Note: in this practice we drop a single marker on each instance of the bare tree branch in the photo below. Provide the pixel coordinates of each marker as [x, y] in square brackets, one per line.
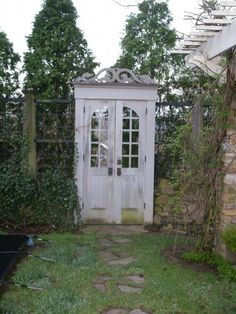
[125, 5]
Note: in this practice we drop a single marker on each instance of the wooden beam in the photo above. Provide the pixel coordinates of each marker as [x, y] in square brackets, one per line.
[216, 21]
[208, 27]
[223, 13]
[29, 129]
[228, 3]
[221, 42]
[180, 51]
[191, 43]
[199, 39]
[208, 34]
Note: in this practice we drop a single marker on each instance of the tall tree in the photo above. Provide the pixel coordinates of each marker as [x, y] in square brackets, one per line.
[148, 39]
[58, 51]
[9, 75]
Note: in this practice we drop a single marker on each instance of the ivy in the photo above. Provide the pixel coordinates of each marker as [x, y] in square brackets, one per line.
[48, 198]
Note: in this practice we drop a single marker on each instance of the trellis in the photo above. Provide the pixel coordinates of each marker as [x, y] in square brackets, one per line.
[211, 47]
[48, 126]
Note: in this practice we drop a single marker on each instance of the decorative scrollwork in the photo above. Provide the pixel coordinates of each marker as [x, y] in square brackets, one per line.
[114, 75]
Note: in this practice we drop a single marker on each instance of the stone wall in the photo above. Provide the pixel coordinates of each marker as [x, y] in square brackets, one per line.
[228, 213]
[171, 214]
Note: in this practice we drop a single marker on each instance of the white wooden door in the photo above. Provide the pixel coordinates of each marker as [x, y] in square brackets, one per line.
[114, 161]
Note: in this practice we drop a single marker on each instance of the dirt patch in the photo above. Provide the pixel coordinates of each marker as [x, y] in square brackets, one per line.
[174, 255]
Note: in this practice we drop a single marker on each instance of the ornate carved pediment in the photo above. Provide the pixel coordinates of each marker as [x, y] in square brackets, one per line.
[114, 75]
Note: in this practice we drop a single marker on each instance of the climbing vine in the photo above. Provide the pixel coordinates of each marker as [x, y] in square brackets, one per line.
[46, 198]
[199, 169]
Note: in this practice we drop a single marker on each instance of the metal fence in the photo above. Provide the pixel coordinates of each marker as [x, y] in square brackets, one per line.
[47, 126]
[169, 116]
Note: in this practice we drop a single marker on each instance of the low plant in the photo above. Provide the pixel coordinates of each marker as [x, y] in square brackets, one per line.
[229, 238]
[47, 198]
[223, 267]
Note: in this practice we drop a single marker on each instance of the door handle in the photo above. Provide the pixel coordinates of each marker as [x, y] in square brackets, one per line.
[110, 171]
[119, 171]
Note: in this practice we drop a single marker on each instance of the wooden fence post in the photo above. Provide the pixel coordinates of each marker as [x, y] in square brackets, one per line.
[29, 129]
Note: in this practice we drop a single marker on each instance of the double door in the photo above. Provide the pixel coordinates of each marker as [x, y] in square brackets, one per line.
[114, 161]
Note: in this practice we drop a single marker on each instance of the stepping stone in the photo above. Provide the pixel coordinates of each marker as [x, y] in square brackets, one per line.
[128, 289]
[122, 241]
[122, 261]
[105, 242]
[136, 279]
[107, 256]
[116, 311]
[102, 278]
[100, 287]
[138, 311]
[122, 254]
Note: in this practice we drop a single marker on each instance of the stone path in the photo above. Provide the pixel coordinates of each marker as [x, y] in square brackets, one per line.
[128, 284]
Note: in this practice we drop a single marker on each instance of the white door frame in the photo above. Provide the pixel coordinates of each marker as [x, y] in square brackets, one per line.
[117, 92]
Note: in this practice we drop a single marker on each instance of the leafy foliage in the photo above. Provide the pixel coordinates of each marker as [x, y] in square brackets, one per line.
[223, 267]
[198, 163]
[229, 237]
[46, 198]
[9, 74]
[49, 198]
[147, 42]
[58, 51]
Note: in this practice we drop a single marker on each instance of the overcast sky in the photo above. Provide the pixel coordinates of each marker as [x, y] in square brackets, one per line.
[102, 22]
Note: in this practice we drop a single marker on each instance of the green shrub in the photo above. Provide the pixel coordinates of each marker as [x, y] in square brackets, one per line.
[223, 267]
[229, 238]
[47, 198]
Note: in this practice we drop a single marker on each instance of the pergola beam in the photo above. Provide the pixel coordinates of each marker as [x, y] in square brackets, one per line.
[198, 39]
[216, 21]
[223, 13]
[208, 34]
[228, 3]
[221, 42]
[208, 27]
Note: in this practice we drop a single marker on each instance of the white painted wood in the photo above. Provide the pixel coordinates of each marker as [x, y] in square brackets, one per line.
[79, 136]
[105, 198]
[204, 34]
[130, 185]
[216, 21]
[208, 27]
[221, 42]
[223, 13]
[115, 92]
[228, 3]
[149, 165]
[191, 43]
[98, 186]
[197, 39]
[179, 51]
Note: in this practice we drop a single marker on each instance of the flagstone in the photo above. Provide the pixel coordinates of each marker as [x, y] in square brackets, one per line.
[136, 279]
[107, 255]
[100, 287]
[128, 289]
[122, 241]
[121, 261]
[103, 278]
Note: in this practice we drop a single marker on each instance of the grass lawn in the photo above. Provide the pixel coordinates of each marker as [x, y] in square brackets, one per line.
[68, 283]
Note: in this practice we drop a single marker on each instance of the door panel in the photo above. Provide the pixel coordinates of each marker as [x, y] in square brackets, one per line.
[131, 151]
[115, 161]
[99, 152]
